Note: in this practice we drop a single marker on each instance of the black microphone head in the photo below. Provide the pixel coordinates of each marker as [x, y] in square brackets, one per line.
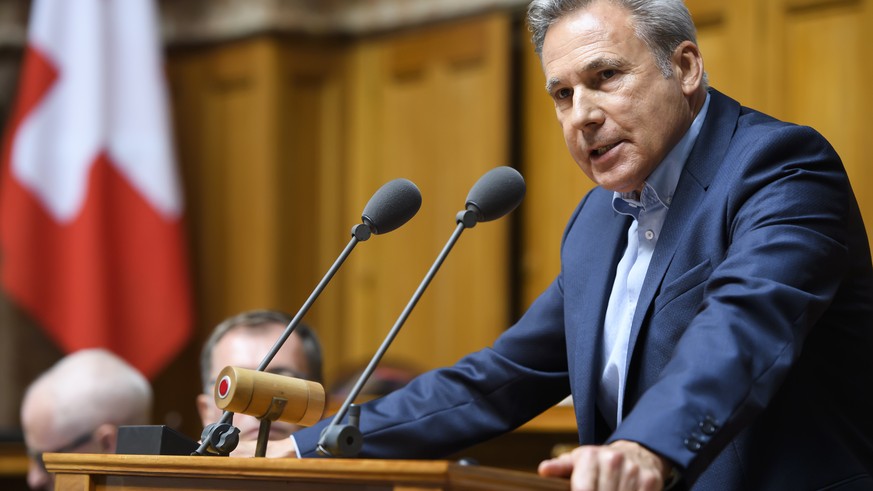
[391, 206]
[496, 193]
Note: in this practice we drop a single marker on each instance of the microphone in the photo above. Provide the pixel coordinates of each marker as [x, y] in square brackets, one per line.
[270, 396]
[392, 205]
[495, 194]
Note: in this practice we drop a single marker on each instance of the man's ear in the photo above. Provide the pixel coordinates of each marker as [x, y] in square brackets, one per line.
[106, 436]
[688, 62]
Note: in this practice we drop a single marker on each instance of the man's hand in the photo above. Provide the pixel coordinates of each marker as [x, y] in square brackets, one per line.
[621, 465]
[275, 448]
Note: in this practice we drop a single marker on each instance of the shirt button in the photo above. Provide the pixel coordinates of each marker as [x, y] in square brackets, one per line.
[650, 235]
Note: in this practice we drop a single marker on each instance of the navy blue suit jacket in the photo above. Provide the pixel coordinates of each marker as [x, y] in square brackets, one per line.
[751, 360]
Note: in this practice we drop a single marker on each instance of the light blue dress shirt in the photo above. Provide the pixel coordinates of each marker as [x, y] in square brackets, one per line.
[649, 210]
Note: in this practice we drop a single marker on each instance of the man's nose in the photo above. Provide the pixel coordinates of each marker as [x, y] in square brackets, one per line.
[587, 114]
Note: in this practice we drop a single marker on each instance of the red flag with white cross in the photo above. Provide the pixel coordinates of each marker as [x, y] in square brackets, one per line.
[91, 233]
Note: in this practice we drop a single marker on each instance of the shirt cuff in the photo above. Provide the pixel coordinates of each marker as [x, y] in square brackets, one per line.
[294, 444]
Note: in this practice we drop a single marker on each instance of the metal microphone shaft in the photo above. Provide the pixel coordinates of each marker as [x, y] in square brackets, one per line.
[360, 233]
[395, 203]
[359, 385]
[495, 194]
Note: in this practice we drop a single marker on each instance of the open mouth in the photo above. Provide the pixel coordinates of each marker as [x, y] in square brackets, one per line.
[602, 150]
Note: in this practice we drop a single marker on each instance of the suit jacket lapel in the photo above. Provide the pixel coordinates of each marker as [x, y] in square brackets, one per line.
[703, 163]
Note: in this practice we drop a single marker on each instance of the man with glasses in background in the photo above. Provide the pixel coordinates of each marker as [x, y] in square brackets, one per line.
[77, 406]
[243, 340]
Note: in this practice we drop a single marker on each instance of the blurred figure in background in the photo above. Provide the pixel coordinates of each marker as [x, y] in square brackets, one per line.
[77, 406]
[243, 341]
[385, 379]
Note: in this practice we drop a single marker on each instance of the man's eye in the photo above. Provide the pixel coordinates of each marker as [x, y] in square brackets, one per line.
[563, 94]
[607, 74]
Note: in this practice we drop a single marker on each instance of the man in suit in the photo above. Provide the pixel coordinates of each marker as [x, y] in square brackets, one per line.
[713, 317]
[77, 406]
[243, 340]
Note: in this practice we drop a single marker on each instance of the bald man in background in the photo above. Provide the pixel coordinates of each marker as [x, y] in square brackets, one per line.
[77, 406]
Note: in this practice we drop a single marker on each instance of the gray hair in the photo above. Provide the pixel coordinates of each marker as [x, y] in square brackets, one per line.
[661, 24]
[257, 319]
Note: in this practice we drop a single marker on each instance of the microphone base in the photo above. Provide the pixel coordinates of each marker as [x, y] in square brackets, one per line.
[219, 439]
[341, 441]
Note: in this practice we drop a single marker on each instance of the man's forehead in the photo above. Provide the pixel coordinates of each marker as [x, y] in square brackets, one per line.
[598, 23]
[242, 344]
[267, 330]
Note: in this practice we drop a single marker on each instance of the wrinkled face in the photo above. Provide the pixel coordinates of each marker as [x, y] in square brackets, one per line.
[620, 116]
[246, 348]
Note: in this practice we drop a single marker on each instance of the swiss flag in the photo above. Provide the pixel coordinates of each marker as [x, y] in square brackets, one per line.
[91, 235]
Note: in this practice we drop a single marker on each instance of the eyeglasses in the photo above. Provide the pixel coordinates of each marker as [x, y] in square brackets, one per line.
[78, 442]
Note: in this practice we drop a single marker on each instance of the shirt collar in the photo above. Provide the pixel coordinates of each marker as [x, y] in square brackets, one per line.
[661, 183]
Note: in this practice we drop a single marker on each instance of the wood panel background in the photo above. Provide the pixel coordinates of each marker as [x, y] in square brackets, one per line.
[431, 106]
[283, 141]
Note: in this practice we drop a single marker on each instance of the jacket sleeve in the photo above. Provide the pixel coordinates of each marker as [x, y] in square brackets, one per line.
[483, 395]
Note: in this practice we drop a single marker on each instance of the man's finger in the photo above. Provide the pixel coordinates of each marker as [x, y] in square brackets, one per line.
[561, 466]
[585, 469]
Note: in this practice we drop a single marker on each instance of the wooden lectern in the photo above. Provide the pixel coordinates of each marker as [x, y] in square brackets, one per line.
[97, 472]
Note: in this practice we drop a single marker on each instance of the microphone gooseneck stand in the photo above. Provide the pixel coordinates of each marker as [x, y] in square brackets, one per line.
[495, 194]
[346, 440]
[392, 205]
[222, 437]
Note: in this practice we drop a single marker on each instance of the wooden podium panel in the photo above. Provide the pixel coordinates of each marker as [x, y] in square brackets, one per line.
[95, 472]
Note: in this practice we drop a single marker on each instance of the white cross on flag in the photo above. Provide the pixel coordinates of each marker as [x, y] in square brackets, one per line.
[91, 232]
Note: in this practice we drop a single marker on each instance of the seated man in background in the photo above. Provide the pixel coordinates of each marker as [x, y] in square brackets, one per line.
[77, 406]
[243, 341]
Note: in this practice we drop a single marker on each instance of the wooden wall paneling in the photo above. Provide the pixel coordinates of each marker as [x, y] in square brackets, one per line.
[221, 105]
[313, 227]
[820, 58]
[555, 184]
[363, 159]
[430, 106]
[260, 147]
[187, 78]
[259, 135]
[225, 98]
[729, 35]
[246, 91]
[176, 388]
